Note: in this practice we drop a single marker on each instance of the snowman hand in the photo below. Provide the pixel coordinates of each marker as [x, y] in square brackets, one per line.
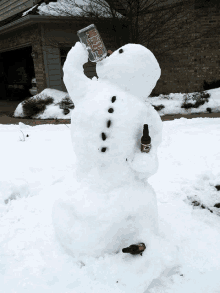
[78, 55]
[77, 84]
[145, 163]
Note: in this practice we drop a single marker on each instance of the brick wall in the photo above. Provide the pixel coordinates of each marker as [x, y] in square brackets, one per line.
[39, 66]
[185, 69]
[27, 36]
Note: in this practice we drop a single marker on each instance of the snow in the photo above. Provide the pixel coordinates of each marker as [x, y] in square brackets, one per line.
[135, 70]
[103, 216]
[67, 8]
[41, 170]
[59, 8]
[172, 104]
[52, 219]
[27, 11]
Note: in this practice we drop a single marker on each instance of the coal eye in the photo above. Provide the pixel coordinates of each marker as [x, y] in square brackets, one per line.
[121, 51]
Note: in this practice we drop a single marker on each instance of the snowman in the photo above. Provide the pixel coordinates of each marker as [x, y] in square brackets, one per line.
[113, 208]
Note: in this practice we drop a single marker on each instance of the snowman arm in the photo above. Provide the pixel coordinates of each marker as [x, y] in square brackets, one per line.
[77, 84]
[147, 163]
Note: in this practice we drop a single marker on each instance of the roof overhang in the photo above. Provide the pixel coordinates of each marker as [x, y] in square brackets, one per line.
[35, 19]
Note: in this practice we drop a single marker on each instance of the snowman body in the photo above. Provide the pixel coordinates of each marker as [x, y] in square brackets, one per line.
[114, 206]
[94, 223]
[108, 134]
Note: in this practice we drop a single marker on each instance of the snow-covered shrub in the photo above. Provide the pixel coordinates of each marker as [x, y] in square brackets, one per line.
[200, 98]
[167, 97]
[66, 104]
[36, 105]
[158, 107]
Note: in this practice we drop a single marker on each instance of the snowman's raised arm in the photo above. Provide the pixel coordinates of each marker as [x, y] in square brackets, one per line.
[77, 84]
[147, 163]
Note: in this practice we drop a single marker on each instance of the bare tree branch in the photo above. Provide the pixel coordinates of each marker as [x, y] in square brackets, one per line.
[162, 28]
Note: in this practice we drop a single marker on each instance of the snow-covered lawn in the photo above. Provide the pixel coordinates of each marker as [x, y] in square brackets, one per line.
[39, 168]
[171, 104]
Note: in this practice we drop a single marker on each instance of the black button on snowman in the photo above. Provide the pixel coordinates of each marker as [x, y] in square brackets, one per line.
[110, 110]
[111, 168]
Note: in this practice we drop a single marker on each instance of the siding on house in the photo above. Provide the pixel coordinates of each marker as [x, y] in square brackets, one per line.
[46, 39]
[53, 67]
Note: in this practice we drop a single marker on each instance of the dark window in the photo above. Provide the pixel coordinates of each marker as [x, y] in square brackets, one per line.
[63, 53]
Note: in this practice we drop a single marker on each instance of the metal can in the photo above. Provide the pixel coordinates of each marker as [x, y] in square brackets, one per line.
[93, 41]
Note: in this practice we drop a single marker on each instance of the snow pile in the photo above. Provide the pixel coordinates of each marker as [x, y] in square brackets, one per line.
[49, 104]
[68, 8]
[59, 8]
[173, 103]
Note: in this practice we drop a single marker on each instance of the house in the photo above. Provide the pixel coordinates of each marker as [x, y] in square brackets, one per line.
[33, 45]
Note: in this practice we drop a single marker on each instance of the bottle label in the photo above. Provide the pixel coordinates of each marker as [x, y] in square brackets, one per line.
[145, 148]
[93, 41]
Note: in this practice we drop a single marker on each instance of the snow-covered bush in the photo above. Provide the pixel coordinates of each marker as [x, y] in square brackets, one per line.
[158, 107]
[200, 98]
[49, 104]
[36, 105]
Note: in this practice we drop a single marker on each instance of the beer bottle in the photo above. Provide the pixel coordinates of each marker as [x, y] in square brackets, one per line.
[145, 140]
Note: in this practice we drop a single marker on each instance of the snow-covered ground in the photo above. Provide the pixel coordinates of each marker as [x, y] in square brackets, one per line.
[172, 104]
[37, 167]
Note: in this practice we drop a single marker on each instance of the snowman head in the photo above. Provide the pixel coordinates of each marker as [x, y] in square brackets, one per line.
[133, 68]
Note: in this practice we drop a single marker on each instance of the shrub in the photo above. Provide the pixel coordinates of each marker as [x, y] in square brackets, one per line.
[167, 98]
[35, 106]
[200, 98]
[211, 85]
[66, 103]
[209, 110]
[158, 107]
[187, 105]
[66, 111]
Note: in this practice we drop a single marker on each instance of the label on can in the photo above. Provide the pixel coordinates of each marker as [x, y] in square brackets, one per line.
[93, 41]
[145, 148]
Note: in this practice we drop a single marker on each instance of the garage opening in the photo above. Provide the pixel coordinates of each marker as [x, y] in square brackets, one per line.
[16, 73]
